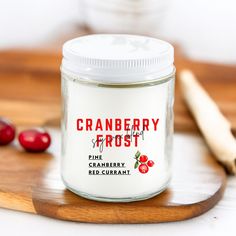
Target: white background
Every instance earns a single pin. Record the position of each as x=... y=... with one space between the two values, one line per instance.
x=206 y=29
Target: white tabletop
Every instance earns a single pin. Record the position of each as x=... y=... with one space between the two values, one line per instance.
x=205 y=29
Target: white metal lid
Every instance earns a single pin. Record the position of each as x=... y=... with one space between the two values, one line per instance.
x=118 y=58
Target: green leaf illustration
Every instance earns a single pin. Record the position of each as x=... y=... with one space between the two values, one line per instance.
x=137 y=154
x=136 y=164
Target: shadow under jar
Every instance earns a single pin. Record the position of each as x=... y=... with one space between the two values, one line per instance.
x=117 y=124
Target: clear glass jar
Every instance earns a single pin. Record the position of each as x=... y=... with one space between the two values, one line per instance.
x=117 y=125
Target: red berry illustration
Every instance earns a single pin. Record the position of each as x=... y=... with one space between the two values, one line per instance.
x=150 y=163
x=34 y=140
x=143 y=158
x=7 y=131
x=143 y=168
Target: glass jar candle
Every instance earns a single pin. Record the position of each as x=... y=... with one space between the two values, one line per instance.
x=117 y=124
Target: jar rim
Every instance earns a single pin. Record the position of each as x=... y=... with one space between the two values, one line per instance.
x=85 y=79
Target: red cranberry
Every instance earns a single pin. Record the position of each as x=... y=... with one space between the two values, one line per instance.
x=7 y=131
x=143 y=168
x=34 y=140
x=143 y=158
x=150 y=163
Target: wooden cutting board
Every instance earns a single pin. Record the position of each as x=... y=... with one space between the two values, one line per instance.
x=30 y=95
x=38 y=74
x=31 y=183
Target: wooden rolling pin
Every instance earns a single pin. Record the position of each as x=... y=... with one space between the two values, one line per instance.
x=215 y=128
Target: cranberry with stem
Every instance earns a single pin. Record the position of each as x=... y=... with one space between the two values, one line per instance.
x=143 y=158
x=34 y=140
x=7 y=131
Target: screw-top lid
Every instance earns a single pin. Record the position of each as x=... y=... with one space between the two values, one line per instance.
x=118 y=58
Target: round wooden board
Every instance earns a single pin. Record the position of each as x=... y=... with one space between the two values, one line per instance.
x=31 y=183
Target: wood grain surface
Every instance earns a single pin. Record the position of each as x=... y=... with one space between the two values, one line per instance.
x=30 y=96
x=38 y=74
x=31 y=183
